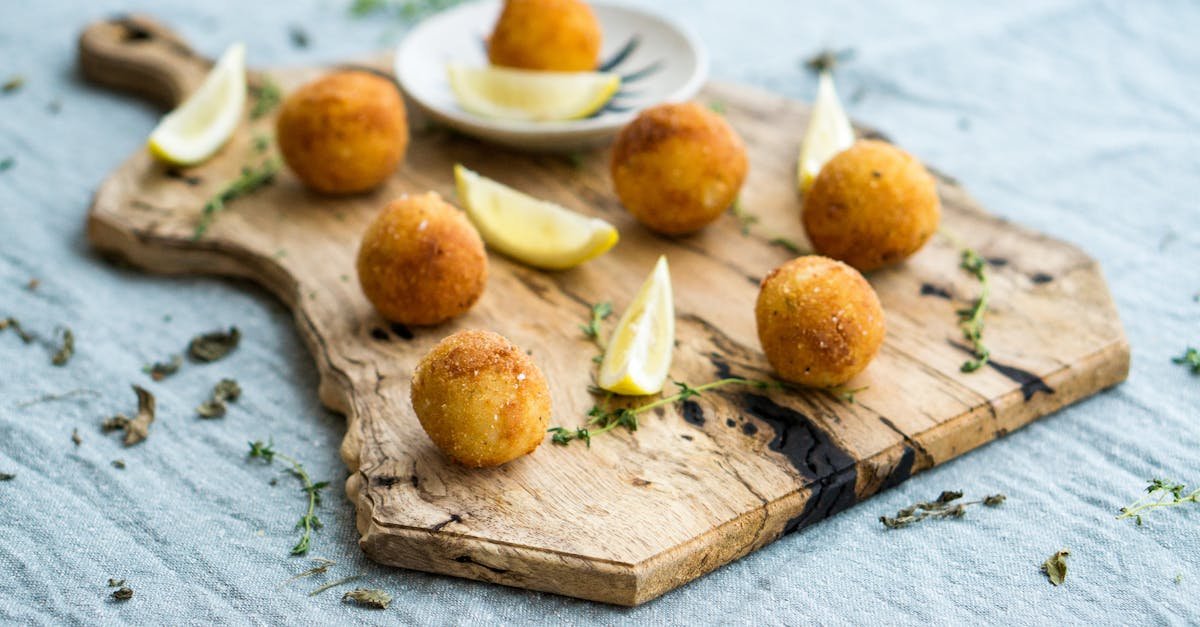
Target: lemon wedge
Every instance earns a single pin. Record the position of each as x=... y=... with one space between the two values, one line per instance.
x=539 y=233
x=200 y=126
x=526 y=95
x=829 y=132
x=639 y=352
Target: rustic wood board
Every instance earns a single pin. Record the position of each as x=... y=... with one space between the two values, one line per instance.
x=695 y=487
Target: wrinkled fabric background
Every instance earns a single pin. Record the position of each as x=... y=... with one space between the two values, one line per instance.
x=1079 y=119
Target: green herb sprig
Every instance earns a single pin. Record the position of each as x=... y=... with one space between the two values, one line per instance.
x=947 y=505
x=970 y=319
x=602 y=419
x=250 y=181
x=600 y=312
x=1189 y=359
x=267 y=96
x=404 y=9
x=1159 y=493
x=309 y=521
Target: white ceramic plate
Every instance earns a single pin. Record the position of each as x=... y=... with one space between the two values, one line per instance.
x=657 y=60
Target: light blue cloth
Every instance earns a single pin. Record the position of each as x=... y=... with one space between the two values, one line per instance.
x=1079 y=119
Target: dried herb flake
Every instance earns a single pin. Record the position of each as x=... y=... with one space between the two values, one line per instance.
x=7 y=476
x=227 y=390
x=15 y=325
x=136 y=428
x=377 y=599
x=124 y=593
x=66 y=350
x=1055 y=567
x=943 y=507
x=160 y=370
x=13 y=84
x=215 y=345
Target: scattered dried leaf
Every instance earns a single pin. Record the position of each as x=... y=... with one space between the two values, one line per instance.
x=66 y=350
x=160 y=370
x=213 y=346
x=1055 y=567
x=214 y=407
x=377 y=599
x=138 y=427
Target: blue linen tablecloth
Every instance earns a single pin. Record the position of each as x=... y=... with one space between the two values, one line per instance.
x=1079 y=119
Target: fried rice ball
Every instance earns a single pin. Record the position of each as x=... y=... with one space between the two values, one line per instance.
x=678 y=167
x=481 y=399
x=872 y=205
x=554 y=35
x=819 y=321
x=421 y=261
x=343 y=133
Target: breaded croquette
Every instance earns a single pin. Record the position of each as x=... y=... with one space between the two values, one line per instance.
x=819 y=321
x=553 y=35
x=678 y=167
x=481 y=399
x=343 y=133
x=871 y=205
x=421 y=261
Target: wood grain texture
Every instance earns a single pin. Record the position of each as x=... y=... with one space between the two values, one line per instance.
x=697 y=485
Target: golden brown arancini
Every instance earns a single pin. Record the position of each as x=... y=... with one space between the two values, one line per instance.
x=819 y=321
x=421 y=261
x=343 y=133
x=871 y=205
x=553 y=35
x=481 y=399
x=678 y=167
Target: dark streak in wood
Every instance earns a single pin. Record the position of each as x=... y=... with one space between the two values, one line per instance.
x=929 y=289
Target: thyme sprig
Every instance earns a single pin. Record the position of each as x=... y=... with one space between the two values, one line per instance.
x=267 y=96
x=1159 y=493
x=1189 y=359
x=970 y=319
x=250 y=180
x=602 y=419
x=309 y=521
x=600 y=312
x=404 y=9
x=945 y=506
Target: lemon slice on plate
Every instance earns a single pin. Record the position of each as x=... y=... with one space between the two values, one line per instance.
x=539 y=233
x=531 y=96
x=200 y=126
x=829 y=132
x=639 y=352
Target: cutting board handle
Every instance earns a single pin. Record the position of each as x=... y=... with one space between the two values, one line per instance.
x=137 y=54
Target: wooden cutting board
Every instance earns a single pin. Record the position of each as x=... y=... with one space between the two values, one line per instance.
x=698 y=485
